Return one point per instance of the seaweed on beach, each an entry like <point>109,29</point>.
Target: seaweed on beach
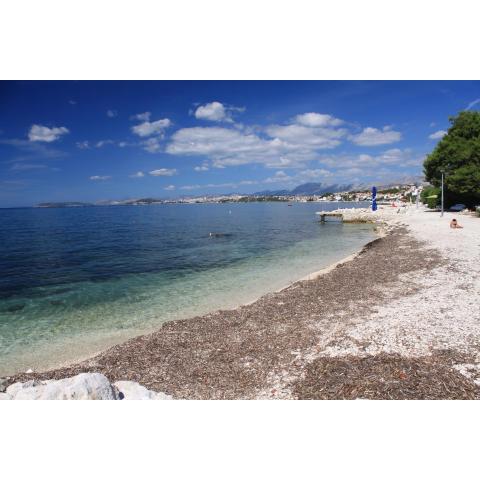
<point>386,376</point>
<point>261,350</point>
<point>371,245</point>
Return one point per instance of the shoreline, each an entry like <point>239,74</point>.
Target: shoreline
<point>87,358</point>
<point>310,276</point>
<point>89,354</point>
<point>370,326</point>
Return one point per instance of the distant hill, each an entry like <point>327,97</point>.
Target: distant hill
<point>319,188</point>
<point>305,189</point>
<point>309,189</point>
<point>272,192</point>
<point>63,204</point>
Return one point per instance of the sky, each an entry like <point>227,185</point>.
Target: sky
<point>105,140</point>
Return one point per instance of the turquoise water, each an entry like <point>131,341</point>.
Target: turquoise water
<point>77,280</point>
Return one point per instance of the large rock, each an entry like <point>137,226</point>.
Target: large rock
<point>134,391</point>
<point>85,386</point>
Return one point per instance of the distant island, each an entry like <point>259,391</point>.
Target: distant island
<point>307,192</point>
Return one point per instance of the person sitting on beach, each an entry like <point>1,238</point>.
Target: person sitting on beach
<point>455,224</point>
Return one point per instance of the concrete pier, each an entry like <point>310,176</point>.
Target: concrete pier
<point>350,215</point>
<point>323,215</point>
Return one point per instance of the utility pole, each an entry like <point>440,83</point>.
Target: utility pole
<point>443,172</point>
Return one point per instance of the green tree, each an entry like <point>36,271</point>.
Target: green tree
<point>458,155</point>
<point>431,196</point>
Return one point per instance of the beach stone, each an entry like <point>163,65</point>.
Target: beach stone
<point>3,385</point>
<point>85,386</point>
<point>135,391</point>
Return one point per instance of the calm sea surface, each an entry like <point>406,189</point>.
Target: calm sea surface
<point>76,280</point>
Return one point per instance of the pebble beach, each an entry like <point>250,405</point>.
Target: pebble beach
<point>398,320</point>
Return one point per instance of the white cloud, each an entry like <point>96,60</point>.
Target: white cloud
<point>142,117</point>
<point>278,176</point>
<point>285,146</point>
<point>147,128</point>
<point>313,119</point>
<point>201,168</point>
<point>314,174</point>
<point>293,145</point>
<point>155,130</point>
<point>31,150</point>
<point>170,188</point>
<point>102,143</point>
<point>400,158</point>
<point>100,177</point>
<point>112,113</point>
<point>473,103</point>
<point>220,144</point>
<point>347,169</point>
<point>83,145</point>
<point>17,167</point>
<point>300,135</point>
<point>230,185</point>
<point>139,174</point>
<point>152,145</point>
<point>373,136</point>
<point>163,172</point>
<point>394,157</point>
<point>303,176</point>
<point>437,135</point>
<point>216,112</point>
<point>40,133</point>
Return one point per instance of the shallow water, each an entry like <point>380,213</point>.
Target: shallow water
<point>76,280</point>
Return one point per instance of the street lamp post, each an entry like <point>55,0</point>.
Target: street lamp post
<point>443,172</point>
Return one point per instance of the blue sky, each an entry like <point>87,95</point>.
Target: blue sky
<point>92,141</point>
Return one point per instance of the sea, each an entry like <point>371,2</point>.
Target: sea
<point>74,281</point>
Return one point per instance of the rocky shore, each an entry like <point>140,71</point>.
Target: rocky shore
<point>84,386</point>
<point>399,321</point>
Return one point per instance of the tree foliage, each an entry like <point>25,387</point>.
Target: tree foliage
<point>458,154</point>
<point>431,192</point>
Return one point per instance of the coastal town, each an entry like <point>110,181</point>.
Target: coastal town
<point>387,194</point>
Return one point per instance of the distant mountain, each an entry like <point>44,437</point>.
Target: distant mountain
<point>272,192</point>
<point>309,189</point>
<point>405,180</point>
<point>319,188</point>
